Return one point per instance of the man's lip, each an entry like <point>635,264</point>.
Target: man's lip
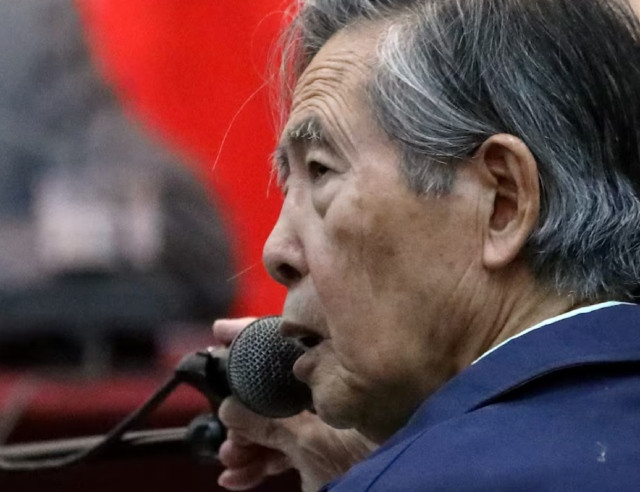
<point>300,333</point>
<point>291,329</point>
<point>303,367</point>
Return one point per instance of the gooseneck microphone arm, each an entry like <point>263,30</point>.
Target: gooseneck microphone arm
<point>257,370</point>
<point>131,445</point>
<point>47,456</point>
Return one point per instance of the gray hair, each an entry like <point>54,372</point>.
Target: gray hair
<point>562,75</point>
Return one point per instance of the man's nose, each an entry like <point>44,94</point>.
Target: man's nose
<point>283,253</point>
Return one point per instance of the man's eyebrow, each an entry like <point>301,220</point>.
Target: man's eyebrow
<point>308,132</point>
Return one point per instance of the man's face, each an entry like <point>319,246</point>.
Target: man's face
<point>378,277</point>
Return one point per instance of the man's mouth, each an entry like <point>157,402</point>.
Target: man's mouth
<point>302,336</point>
<point>309,341</point>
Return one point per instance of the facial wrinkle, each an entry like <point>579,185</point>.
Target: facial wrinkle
<point>333,84</point>
<point>323,100</point>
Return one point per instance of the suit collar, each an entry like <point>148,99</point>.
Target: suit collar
<point>555,319</point>
<point>608,335</point>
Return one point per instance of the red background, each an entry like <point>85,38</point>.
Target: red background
<point>194,71</point>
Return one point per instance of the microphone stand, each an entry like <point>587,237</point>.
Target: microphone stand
<point>201,370</point>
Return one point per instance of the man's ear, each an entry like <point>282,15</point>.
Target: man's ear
<point>511,174</point>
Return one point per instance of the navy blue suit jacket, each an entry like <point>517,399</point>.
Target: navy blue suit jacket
<point>557,409</point>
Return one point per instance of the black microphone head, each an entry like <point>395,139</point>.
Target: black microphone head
<point>259,371</point>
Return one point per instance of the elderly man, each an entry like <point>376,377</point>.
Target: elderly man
<point>460,241</point>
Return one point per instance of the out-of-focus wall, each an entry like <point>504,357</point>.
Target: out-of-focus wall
<point>196,73</point>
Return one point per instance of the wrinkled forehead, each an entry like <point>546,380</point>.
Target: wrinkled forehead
<point>346,59</point>
<point>346,62</point>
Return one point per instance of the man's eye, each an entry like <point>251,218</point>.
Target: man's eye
<point>317,170</point>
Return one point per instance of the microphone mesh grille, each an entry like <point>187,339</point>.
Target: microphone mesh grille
<point>259,370</point>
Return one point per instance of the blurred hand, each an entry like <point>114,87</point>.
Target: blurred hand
<point>225,330</point>
<point>258,447</point>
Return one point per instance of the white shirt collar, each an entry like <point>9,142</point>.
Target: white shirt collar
<point>569,314</point>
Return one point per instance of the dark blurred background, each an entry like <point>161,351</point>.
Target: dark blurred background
<point>119,242</point>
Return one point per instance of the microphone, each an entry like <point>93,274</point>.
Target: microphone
<point>259,371</point>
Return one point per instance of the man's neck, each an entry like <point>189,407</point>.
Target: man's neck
<point>535,309</point>
<point>516,305</point>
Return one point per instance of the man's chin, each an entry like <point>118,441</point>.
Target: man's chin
<point>332,411</point>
